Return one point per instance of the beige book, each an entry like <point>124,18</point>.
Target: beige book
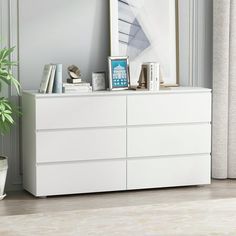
<point>51,80</point>
<point>45,78</point>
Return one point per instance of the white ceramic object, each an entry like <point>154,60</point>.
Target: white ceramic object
<point>3,175</point>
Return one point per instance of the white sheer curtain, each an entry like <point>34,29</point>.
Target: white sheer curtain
<point>224,90</point>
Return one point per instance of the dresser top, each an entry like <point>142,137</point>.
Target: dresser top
<point>168,90</point>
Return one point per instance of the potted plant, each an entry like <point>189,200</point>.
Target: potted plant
<point>7,109</point>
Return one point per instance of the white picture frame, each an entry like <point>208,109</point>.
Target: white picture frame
<point>162,37</point>
<point>119,76</point>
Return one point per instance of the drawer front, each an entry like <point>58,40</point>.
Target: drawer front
<point>168,172</point>
<point>76,112</point>
<point>81,144</point>
<point>81,177</point>
<point>169,108</point>
<point>169,140</point>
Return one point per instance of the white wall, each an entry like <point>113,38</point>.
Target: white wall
<point>77,32</point>
<point>68,32</point>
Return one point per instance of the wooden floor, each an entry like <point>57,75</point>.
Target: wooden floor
<point>18,203</point>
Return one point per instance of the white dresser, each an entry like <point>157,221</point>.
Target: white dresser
<point>110,141</point>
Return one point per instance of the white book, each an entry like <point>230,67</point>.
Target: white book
<point>76,92</point>
<point>45,78</point>
<point>150,75</point>
<point>153,76</point>
<point>77,89</point>
<point>51,80</point>
<point>157,77</point>
<point>82,84</point>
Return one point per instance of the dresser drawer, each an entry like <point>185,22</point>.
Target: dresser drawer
<point>79,112</point>
<point>168,140</point>
<point>168,171</point>
<point>169,108</point>
<point>81,144</point>
<point>81,177</point>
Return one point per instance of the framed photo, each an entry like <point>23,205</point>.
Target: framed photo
<point>98,81</point>
<point>146,31</point>
<point>119,78</point>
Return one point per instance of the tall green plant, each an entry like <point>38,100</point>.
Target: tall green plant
<point>7,109</point>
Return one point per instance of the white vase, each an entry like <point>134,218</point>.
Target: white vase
<point>3,175</point>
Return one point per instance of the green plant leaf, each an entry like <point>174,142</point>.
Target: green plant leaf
<point>9,118</point>
<point>3,117</point>
<point>7,109</point>
<point>8,63</point>
<point>3,72</point>
<point>4,127</point>
<point>2,107</point>
<point>5,52</point>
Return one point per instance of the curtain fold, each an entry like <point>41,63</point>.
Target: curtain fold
<point>232,93</point>
<point>224,90</point>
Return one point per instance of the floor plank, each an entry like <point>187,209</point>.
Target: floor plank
<point>20,203</point>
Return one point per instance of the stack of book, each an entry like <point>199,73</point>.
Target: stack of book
<point>51,79</point>
<point>153,75</point>
<point>76,86</point>
<point>150,76</point>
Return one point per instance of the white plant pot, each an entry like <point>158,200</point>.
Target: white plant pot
<point>3,175</point>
